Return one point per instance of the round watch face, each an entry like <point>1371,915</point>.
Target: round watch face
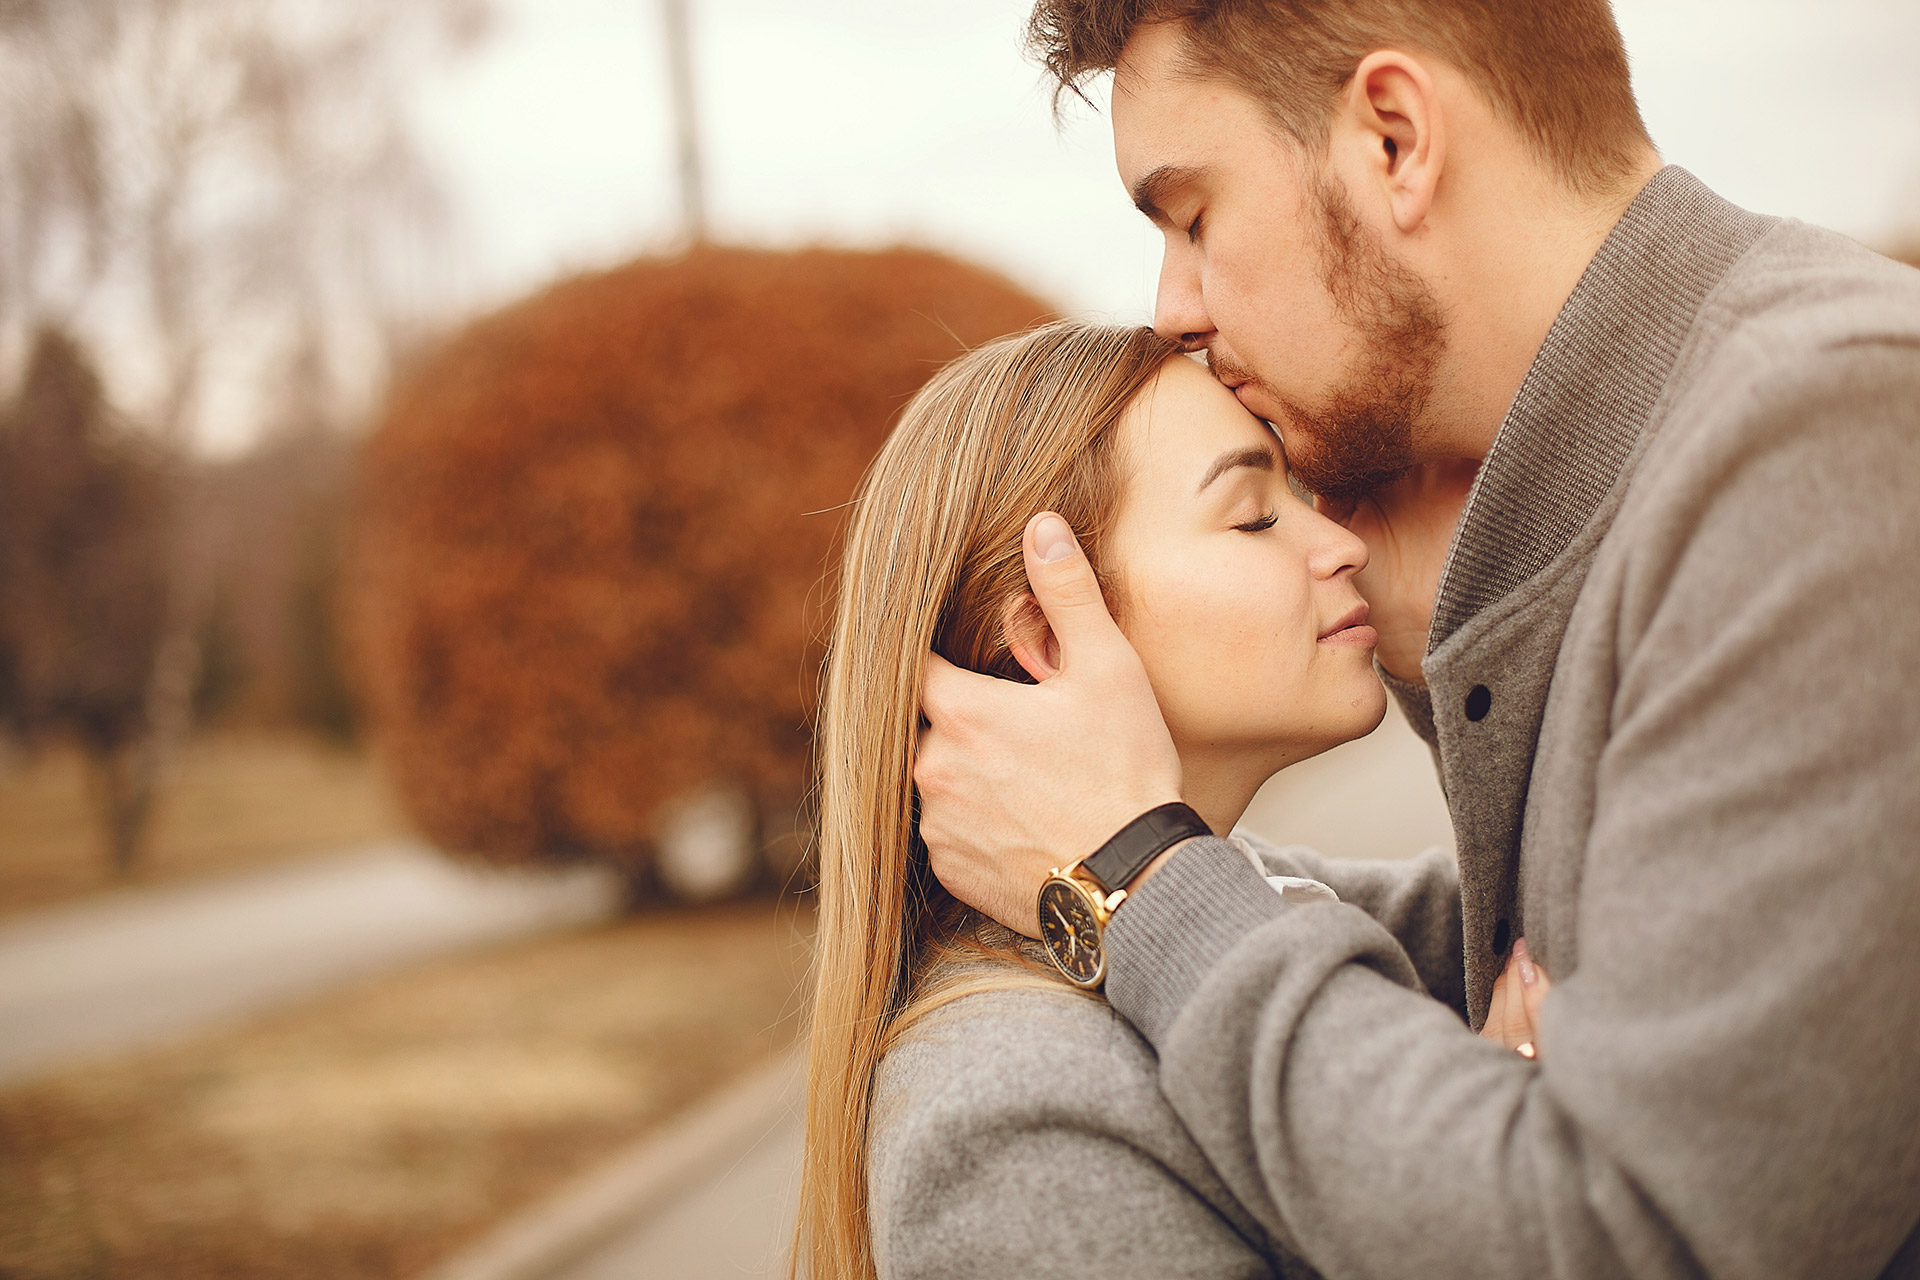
<point>1071,932</point>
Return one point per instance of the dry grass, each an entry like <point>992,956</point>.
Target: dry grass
<point>237,800</point>
<point>372,1133</point>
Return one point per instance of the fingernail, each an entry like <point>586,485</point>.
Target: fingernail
<point>1527,974</point>
<point>1053,539</point>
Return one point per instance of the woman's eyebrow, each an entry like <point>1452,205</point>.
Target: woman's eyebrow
<point>1259,457</point>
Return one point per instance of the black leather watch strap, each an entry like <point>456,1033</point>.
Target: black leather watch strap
<point>1115,863</point>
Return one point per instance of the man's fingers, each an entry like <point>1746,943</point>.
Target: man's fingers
<point>939,681</point>
<point>944,688</point>
<point>1064,584</point>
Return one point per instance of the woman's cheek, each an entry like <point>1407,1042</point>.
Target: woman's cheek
<point>1182,642</point>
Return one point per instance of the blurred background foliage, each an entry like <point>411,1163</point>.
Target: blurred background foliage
<point>83,574</point>
<point>219,212</point>
<point>581,545</point>
<point>198,199</point>
<point>592,526</point>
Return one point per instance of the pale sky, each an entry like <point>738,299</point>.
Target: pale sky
<point>862,122</point>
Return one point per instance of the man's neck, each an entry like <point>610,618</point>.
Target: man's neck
<point>1513,275</point>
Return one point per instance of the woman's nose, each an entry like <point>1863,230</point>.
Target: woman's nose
<point>1337,549</point>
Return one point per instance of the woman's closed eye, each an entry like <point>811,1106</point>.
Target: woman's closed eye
<point>1260,525</point>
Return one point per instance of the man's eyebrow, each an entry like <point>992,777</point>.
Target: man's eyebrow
<point>1259,457</point>
<point>1151,192</point>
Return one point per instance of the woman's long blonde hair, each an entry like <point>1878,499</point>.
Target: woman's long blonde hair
<point>933,557</point>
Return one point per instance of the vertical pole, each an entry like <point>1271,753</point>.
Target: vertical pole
<point>693,196</point>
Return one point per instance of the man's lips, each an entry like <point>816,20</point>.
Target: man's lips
<point>1352,627</point>
<point>1248,394</point>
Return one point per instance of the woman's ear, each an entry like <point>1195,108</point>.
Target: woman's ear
<point>1029,638</point>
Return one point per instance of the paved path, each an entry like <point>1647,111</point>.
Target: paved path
<point>712,1194</point>
<point>141,965</point>
<point>734,1224</point>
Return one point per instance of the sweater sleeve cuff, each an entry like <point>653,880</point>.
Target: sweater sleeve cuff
<point>1165,938</point>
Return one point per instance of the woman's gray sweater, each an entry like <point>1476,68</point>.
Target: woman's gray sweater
<point>1022,1133</point>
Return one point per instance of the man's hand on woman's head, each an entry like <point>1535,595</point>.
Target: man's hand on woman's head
<point>1018,779</point>
<point>1408,528</point>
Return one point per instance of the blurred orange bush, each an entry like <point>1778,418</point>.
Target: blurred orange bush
<point>591,526</point>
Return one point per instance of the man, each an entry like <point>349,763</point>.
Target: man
<point>1671,670</point>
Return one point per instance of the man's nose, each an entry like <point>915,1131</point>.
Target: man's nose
<point>1179,309</point>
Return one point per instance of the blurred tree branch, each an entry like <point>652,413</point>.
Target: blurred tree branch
<point>82,575</point>
<point>199,187</point>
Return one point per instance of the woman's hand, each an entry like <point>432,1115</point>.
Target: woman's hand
<point>1513,1015</point>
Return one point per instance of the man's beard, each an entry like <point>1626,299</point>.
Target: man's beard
<point>1362,437</point>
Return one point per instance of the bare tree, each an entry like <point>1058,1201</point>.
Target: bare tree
<point>218,193</point>
<point>82,574</point>
<point>686,120</point>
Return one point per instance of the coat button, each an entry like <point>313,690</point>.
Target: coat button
<point>1479,702</point>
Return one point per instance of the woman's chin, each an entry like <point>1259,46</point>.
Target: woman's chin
<point>1370,707</point>
<point>1335,715</point>
<point>1354,715</point>
<point>1353,710</point>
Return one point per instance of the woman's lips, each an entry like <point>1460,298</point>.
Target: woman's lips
<point>1361,637</point>
<point>1352,629</point>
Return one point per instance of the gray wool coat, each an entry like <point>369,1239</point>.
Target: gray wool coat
<point>1022,1133</point>
<point>1674,698</point>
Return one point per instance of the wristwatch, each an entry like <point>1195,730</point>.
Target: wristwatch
<point>1076,904</point>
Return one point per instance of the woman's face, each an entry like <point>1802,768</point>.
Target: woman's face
<point>1238,597</point>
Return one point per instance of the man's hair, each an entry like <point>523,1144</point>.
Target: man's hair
<point>1555,69</point>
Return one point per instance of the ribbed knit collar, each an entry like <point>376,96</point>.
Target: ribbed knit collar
<point>1591,390</point>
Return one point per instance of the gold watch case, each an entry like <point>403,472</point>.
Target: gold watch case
<point>1073,918</point>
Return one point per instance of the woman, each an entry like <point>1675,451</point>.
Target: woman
<point>970,1112</point>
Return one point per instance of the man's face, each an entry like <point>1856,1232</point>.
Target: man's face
<point>1270,268</point>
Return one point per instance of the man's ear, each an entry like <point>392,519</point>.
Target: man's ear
<point>1029,637</point>
<point>1393,115</point>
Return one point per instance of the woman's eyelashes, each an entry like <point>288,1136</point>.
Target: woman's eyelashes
<point>1193,229</point>
<point>1260,525</point>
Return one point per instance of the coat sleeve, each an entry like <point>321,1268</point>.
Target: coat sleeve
<point>1729,1082</point>
<point>1417,900</point>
